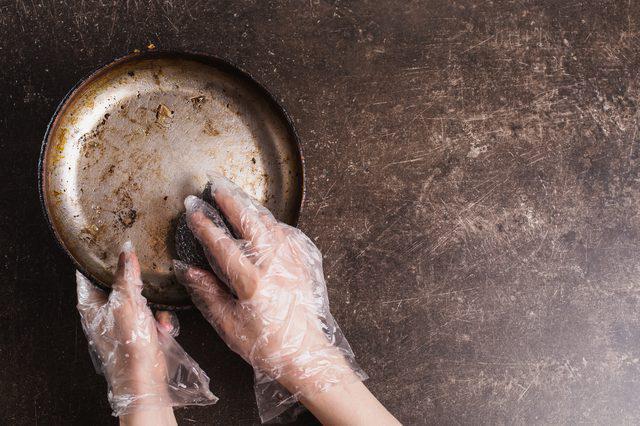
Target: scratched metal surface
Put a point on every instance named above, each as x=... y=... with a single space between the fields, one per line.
x=473 y=182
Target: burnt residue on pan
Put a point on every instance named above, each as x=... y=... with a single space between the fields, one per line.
x=138 y=136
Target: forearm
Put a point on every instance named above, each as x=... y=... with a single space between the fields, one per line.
x=156 y=416
x=348 y=404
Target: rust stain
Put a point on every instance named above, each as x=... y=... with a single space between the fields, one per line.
x=198 y=101
x=61 y=142
x=210 y=129
x=162 y=113
x=91 y=233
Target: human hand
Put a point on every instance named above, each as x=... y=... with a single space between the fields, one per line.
x=144 y=366
x=279 y=319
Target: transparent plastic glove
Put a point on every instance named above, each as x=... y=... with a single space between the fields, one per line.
x=269 y=299
x=144 y=366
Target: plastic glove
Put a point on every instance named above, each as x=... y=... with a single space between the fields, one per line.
x=280 y=321
x=144 y=366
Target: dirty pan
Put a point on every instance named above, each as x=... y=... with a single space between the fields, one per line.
x=131 y=141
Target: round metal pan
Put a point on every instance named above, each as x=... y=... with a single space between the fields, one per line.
x=132 y=140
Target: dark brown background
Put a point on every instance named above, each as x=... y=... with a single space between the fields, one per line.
x=473 y=182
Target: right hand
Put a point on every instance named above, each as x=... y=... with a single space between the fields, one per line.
x=280 y=321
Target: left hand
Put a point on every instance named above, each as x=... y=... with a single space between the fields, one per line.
x=144 y=366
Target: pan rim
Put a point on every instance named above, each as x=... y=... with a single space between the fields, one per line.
x=193 y=55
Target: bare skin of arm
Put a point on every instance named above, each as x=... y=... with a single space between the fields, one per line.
x=160 y=417
x=348 y=404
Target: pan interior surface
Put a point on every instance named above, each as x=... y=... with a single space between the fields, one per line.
x=131 y=142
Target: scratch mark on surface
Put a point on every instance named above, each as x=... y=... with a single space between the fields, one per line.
x=413 y=160
x=479 y=44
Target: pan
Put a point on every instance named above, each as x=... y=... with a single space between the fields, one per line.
x=132 y=140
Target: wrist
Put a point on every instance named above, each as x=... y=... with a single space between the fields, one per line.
x=139 y=386
x=123 y=403
x=131 y=396
x=308 y=373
